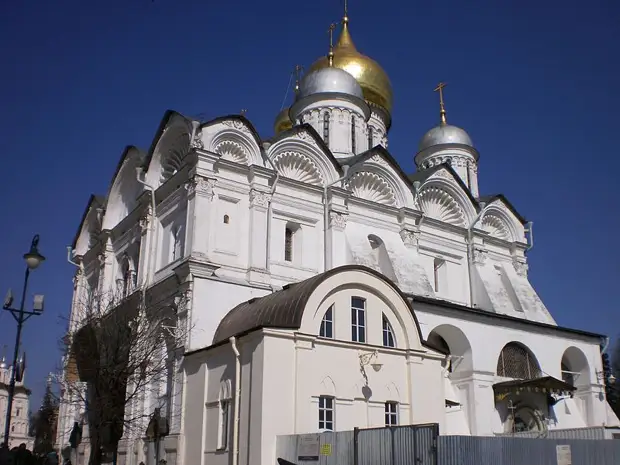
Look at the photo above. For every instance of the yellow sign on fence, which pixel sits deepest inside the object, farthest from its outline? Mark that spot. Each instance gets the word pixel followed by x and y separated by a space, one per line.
pixel 326 449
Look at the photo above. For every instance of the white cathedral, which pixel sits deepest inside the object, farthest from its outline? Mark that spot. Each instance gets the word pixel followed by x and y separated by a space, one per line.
pixel 326 287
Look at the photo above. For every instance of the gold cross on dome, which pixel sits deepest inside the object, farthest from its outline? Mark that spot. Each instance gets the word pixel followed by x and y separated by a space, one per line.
pixel 332 27
pixel 442 108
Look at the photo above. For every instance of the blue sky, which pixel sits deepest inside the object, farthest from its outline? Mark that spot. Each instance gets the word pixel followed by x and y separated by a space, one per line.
pixel 534 83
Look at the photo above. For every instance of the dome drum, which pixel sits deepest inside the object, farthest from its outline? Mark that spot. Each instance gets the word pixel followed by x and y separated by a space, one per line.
pixel 328 84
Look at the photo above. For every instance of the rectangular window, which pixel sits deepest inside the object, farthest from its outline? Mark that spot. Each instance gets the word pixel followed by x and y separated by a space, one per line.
pixel 391 414
pixel 222 442
pixel 326 413
pixel 358 319
pixel 327 324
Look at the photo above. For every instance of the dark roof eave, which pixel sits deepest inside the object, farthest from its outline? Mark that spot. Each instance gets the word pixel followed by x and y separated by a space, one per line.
pixel 487 314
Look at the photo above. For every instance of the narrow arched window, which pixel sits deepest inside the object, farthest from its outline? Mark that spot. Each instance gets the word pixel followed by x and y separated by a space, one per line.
pixel 326 127
pixel 370 141
pixel 353 134
pixel 226 219
pixel 327 324
pixel 439 267
pixel 177 242
pixel 388 334
pixel 288 244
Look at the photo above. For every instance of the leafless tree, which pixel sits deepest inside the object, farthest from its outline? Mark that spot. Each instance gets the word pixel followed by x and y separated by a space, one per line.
pixel 120 364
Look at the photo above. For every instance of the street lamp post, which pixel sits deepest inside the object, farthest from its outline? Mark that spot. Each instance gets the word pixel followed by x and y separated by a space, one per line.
pixel 33 260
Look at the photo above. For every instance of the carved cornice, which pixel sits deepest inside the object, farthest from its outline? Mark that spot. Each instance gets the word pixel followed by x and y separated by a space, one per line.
pixel 410 237
pixel 236 124
pixel 197 141
pixel 201 186
pixel 259 199
pixel 337 221
pixel 480 255
pixel 520 266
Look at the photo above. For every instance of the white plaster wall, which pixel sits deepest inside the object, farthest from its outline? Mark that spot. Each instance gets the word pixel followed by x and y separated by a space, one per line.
pixel 485 339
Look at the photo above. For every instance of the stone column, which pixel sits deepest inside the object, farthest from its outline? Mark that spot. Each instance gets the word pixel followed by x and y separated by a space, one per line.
pixel 259 209
pixel 200 195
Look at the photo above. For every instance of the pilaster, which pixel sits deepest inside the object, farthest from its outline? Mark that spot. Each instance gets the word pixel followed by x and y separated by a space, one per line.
pixel 260 198
pixel 200 196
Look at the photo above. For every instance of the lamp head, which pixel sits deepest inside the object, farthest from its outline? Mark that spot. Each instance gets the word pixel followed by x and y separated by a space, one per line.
pixel 33 257
pixel 377 366
pixel 416 185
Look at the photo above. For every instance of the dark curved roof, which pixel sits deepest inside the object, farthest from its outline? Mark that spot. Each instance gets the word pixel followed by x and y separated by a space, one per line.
pixel 241 118
pixel 284 309
pixel 94 201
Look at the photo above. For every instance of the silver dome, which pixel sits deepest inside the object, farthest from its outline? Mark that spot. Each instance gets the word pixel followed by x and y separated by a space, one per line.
pixel 445 134
pixel 329 81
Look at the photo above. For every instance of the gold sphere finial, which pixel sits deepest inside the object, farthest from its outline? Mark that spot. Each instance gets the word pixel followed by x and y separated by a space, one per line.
pixel 442 107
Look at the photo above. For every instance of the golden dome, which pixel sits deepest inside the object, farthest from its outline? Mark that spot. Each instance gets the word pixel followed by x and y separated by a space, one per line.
pixel 283 122
pixel 371 77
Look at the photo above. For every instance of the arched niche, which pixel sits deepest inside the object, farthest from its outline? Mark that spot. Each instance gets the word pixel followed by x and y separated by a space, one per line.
pixel 382 169
pixel 170 151
pixel 575 367
pixel 516 361
pixel 125 190
pixel 302 159
pixel 235 145
pixel 443 200
pixel 381 257
pixel 500 224
pixel 454 341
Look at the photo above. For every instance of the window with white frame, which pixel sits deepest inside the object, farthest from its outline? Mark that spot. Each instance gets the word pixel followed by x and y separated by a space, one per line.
pixel 358 319
pixel 388 333
pixel 326 413
pixel 327 324
pixel 391 413
pixel 224 414
pixel 439 270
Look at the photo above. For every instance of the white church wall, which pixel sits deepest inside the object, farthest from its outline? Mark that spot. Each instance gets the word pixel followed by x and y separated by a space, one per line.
pixel 212 300
pixel 485 339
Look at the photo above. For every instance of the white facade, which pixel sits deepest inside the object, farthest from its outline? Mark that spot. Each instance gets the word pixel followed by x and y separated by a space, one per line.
pixel 218 216
pixel 20 422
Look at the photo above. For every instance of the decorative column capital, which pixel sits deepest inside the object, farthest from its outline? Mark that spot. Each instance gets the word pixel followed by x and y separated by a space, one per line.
pixel 480 255
pixel 410 237
pixel 259 199
pixel 145 220
pixel 197 141
pixel 199 185
pixel 337 221
pixel 520 266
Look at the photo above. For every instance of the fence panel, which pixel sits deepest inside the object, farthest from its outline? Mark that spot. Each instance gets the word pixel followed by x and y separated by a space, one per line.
pixel 467 450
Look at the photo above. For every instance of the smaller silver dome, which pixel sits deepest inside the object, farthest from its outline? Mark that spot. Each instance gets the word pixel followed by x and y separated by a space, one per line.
pixel 445 134
pixel 329 81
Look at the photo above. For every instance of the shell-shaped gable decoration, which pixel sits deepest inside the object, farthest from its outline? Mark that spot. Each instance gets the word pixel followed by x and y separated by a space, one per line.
pixel 438 204
pixel 496 227
pixel 299 167
pixel 370 186
pixel 231 150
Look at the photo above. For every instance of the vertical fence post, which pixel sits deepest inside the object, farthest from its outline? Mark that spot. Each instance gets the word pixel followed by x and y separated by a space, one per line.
pixel 356 432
